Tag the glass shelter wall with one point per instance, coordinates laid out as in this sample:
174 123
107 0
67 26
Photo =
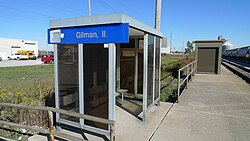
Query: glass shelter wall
96 83
68 79
150 70
157 68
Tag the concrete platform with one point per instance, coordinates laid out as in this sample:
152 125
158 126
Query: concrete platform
214 108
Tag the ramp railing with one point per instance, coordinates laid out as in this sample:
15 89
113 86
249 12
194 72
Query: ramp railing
189 71
50 130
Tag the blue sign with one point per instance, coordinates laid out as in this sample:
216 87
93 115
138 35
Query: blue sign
110 33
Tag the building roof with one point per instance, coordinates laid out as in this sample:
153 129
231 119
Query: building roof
208 41
104 19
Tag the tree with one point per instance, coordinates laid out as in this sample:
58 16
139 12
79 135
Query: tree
189 48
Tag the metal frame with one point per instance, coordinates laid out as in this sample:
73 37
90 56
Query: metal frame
58 119
56 80
193 66
112 70
81 82
111 80
145 76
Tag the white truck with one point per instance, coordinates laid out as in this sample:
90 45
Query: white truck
14 56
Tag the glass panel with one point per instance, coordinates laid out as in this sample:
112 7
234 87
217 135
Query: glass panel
68 81
140 67
150 69
127 64
96 83
132 101
157 67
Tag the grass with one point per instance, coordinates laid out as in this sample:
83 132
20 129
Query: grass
13 78
169 67
169 60
30 85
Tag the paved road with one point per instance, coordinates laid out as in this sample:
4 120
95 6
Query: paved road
213 108
14 63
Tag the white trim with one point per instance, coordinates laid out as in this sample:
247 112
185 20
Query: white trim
145 76
56 80
81 82
111 79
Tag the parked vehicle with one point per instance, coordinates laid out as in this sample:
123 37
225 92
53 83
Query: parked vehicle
48 59
15 56
27 54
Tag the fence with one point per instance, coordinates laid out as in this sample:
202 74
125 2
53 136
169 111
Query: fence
50 128
190 71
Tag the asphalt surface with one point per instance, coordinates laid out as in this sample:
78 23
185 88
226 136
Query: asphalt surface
15 63
213 108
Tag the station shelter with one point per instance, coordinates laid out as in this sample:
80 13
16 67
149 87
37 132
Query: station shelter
103 61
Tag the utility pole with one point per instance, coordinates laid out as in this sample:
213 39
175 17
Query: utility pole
89 9
158 14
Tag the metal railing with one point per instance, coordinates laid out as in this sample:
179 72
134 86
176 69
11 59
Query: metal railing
50 111
189 70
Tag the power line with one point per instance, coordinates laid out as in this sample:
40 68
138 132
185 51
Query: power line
15 9
26 19
146 18
106 5
55 7
63 5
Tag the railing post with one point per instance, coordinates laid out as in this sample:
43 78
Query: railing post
51 134
178 87
112 132
187 77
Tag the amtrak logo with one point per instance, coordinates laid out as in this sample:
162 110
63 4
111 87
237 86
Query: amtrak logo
56 36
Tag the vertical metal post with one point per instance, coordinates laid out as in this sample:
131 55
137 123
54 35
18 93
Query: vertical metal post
112 132
178 85
111 79
186 77
145 76
56 64
51 134
81 81
194 67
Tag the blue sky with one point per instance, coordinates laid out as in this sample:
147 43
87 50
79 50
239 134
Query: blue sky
188 20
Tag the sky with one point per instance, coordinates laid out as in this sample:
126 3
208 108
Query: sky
187 20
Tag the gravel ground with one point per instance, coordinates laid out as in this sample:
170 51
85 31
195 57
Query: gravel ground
15 63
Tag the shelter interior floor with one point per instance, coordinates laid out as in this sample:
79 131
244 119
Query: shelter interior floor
131 105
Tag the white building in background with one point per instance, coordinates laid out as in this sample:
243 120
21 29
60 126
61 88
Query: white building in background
165 49
11 46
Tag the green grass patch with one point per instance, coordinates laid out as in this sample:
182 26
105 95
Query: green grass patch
13 78
169 67
165 60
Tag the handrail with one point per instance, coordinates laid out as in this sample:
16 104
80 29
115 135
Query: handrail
64 112
189 66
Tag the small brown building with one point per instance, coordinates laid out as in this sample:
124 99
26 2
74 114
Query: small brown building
208 56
